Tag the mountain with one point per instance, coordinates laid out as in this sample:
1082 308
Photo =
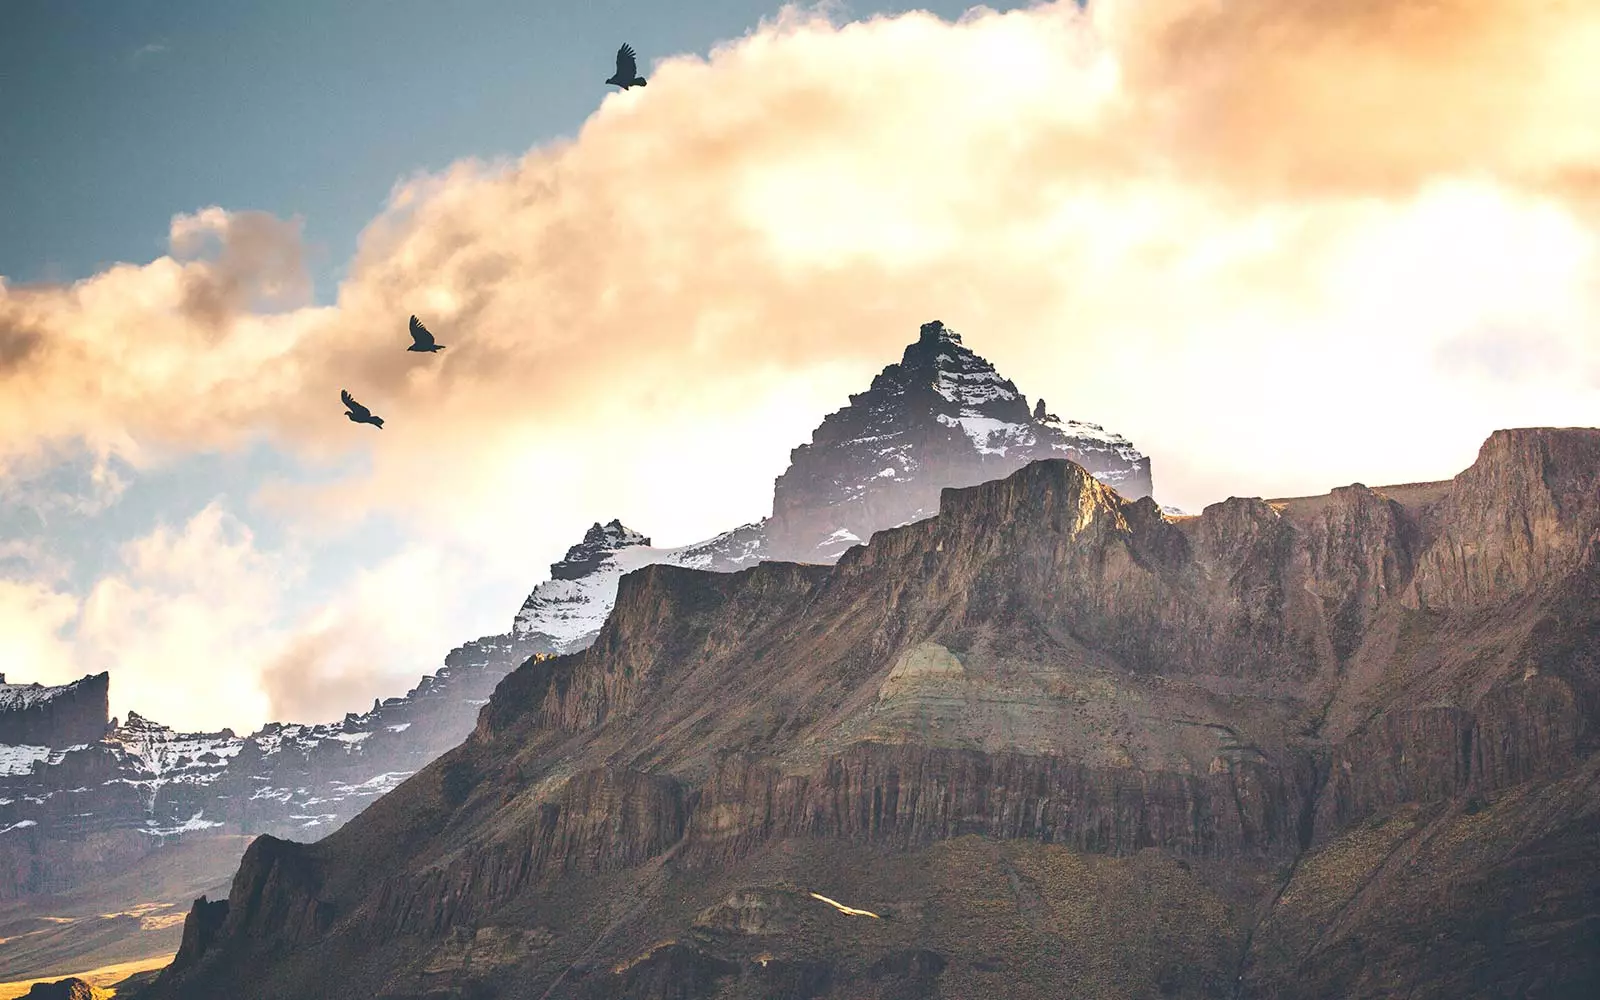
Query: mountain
1048 742
565 612
139 784
35 714
944 413
942 417
77 809
100 834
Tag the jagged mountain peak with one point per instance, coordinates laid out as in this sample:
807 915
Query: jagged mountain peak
137 721
613 534
565 612
935 332
942 373
598 542
943 416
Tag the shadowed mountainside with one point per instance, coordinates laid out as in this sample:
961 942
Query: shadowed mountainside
1052 741
36 714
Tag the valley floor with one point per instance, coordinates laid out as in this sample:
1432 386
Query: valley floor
122 921
104 978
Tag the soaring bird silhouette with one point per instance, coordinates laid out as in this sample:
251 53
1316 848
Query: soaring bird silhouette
357 413
422 339
627 74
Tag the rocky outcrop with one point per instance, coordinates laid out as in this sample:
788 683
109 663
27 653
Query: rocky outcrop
60 716
71 988
200 928
1527 512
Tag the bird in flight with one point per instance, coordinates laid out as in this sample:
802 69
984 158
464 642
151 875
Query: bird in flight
357 413
422 340
627 74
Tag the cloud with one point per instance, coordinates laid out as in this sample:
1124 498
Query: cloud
190 613
391 622
62 480
140 360
1255 236
201 627
32 620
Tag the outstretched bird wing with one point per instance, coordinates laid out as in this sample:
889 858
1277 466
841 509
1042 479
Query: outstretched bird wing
420 334
627 66
361 412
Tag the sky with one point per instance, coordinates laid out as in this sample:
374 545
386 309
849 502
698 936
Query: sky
1282 245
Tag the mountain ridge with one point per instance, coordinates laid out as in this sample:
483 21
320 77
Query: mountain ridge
1226 724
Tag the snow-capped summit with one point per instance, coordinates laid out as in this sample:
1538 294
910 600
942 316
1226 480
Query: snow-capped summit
565 612
942 417
598 542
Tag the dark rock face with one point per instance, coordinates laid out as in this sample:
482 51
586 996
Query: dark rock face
1050 742
942 417
202 925
36 715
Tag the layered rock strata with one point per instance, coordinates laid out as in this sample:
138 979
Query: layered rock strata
1050 741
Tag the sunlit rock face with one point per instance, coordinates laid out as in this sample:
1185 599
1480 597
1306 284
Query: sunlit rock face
1049 742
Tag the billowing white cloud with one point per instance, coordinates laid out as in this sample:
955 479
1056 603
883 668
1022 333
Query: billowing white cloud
32 620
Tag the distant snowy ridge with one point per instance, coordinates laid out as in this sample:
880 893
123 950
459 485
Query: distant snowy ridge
294 779
16 697
567 610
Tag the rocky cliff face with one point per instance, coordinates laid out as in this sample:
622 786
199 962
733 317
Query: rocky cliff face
1049 742
37 715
